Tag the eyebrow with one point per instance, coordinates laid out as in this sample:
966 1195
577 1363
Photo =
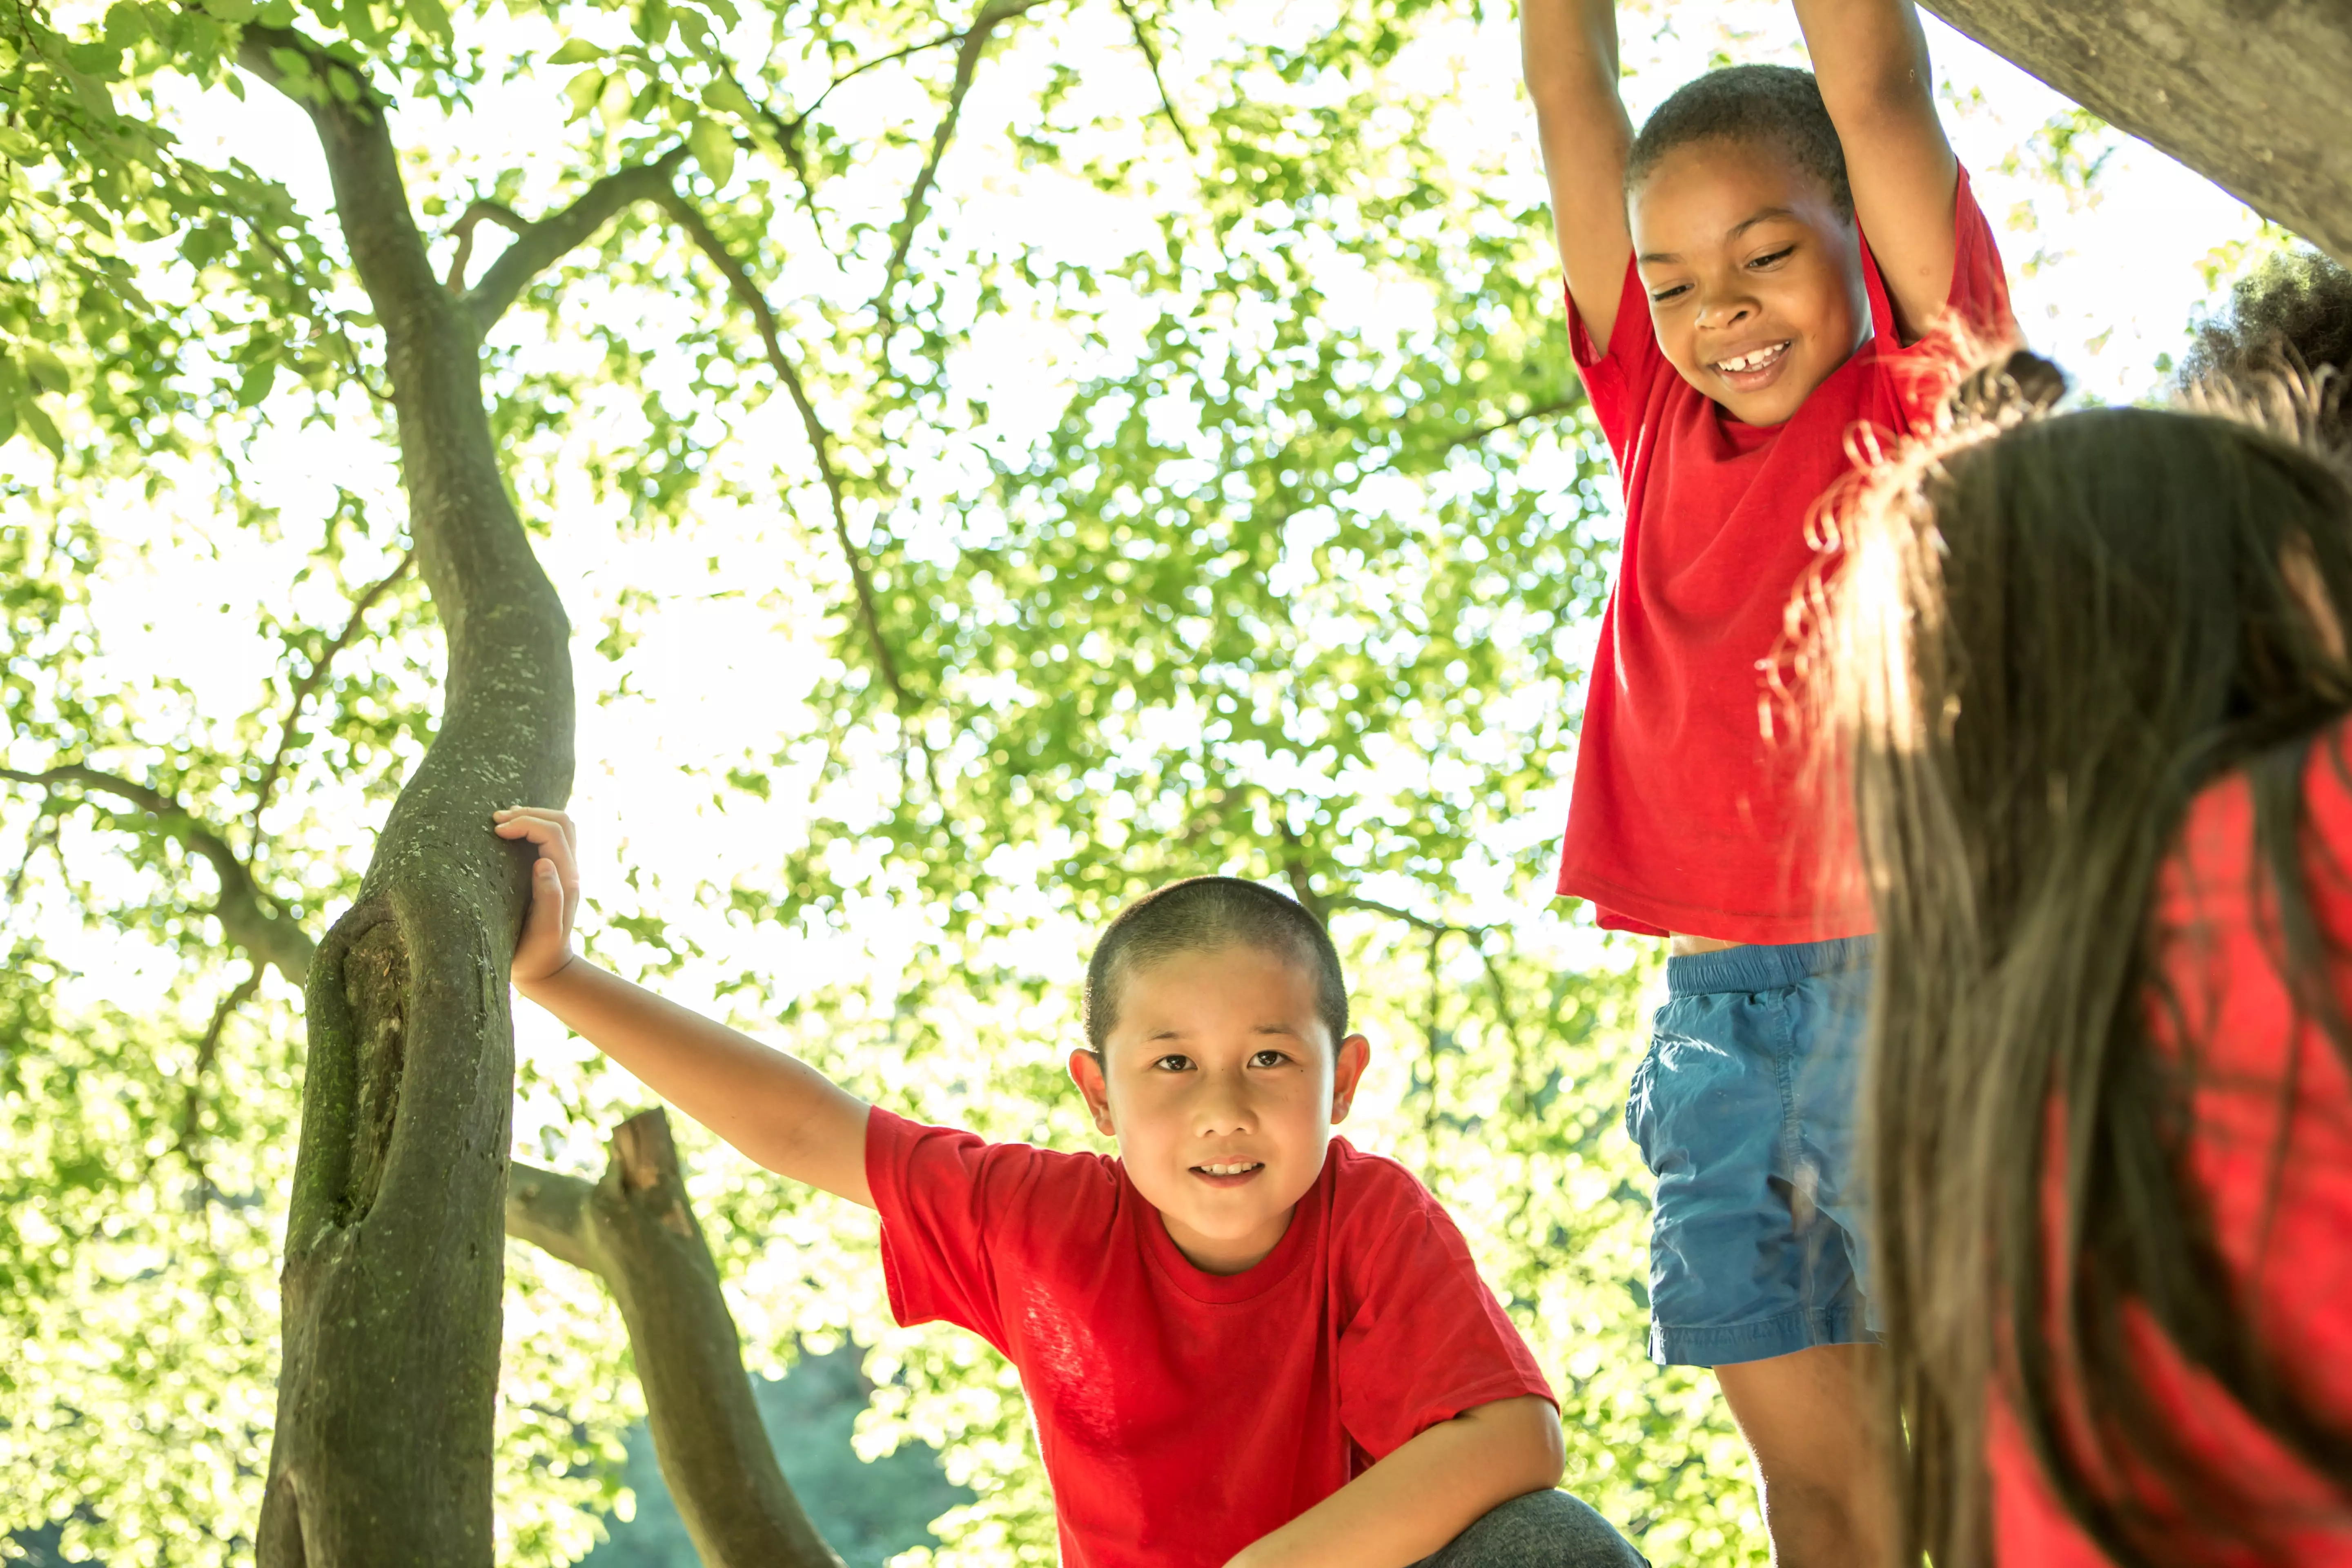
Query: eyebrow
1762 214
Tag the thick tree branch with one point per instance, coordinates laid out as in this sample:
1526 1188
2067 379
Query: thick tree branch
314 678
993 15
248 917
1151 59
636 1231
764 320
539 245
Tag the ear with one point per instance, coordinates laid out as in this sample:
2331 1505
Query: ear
1086 1071
1346 1071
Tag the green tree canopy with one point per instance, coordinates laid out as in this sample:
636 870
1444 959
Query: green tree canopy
1142 433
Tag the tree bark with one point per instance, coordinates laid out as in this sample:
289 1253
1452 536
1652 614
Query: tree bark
2255 95
634 1230
393 1271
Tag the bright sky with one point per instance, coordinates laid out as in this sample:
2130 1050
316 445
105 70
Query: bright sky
2104 284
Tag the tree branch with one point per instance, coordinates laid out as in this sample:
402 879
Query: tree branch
499 213
539 245
993 15
764 320
207 1051
1151 59
636 1231
1476 433
314 678
250 918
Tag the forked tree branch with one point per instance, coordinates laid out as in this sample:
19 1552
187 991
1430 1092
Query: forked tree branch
250 917
314 678
636 1231
539 245
499 213
993 15
764 320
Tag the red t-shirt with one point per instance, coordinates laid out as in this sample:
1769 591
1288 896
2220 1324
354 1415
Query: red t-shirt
1184 1414
2215 936
1684 816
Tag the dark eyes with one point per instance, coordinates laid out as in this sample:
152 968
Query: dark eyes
1175 1061
1772 257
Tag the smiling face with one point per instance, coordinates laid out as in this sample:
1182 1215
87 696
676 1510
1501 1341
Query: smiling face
1754 277
1221 1082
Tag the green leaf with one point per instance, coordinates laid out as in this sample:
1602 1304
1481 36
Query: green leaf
15 144
43 428
256 383
575 51
724 97
47 371
126 24
583 90
236 11
714 149
433 17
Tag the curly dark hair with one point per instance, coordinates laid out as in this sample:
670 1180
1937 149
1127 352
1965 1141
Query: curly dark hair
1778 104
2294 312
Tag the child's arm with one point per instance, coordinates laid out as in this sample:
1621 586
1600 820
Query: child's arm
779 1111
1871 58
1426 1492
1569 50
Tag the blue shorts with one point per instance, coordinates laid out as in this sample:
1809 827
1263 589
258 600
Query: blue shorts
1746 1111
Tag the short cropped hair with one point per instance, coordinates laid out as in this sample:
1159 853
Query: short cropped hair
1775 104
2292 313
1203 914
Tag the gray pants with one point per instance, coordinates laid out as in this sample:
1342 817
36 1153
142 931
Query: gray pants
1541 1530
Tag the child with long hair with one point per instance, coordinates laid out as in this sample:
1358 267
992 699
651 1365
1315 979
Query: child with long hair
2089 676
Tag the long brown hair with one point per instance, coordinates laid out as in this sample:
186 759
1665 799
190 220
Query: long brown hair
2048 633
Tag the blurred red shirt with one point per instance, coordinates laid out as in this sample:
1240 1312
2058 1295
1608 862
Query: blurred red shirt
2237 1031
1182 1414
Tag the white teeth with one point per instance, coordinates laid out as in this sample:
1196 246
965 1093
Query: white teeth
1226 1170
1751 361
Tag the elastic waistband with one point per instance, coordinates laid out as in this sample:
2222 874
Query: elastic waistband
1764 967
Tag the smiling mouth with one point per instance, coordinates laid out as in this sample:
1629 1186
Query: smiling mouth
1752 365
1228 1173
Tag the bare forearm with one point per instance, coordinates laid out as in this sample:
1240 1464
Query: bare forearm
1423 1495
775 1109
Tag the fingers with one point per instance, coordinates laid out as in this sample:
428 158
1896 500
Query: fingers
550 829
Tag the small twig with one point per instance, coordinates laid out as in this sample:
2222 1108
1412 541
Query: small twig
764 320
1476 433
1151 59
207 1050
499 213
993 15
315 676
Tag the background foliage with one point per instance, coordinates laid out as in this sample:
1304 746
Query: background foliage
1047 449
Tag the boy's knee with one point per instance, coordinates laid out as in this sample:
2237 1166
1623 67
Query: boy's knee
1540 1530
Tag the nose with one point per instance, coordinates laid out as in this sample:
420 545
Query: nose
1720 308
1221 1106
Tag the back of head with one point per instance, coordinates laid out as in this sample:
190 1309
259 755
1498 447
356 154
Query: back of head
1777 105
2289 321
1202 914
2050 633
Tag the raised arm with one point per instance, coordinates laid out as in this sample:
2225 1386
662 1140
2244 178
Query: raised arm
1871 58
776 1110
1569 50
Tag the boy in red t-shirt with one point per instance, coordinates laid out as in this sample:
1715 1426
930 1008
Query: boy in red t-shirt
1242 1340
1753 280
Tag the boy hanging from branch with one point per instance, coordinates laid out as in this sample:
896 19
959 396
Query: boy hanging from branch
1760 285
1242 1341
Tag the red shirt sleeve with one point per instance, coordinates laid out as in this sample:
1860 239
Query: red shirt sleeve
935 1187
1976 317
1424 1339
1617 381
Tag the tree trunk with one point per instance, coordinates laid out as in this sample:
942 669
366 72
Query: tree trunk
2255 95
394 1270
634 1230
